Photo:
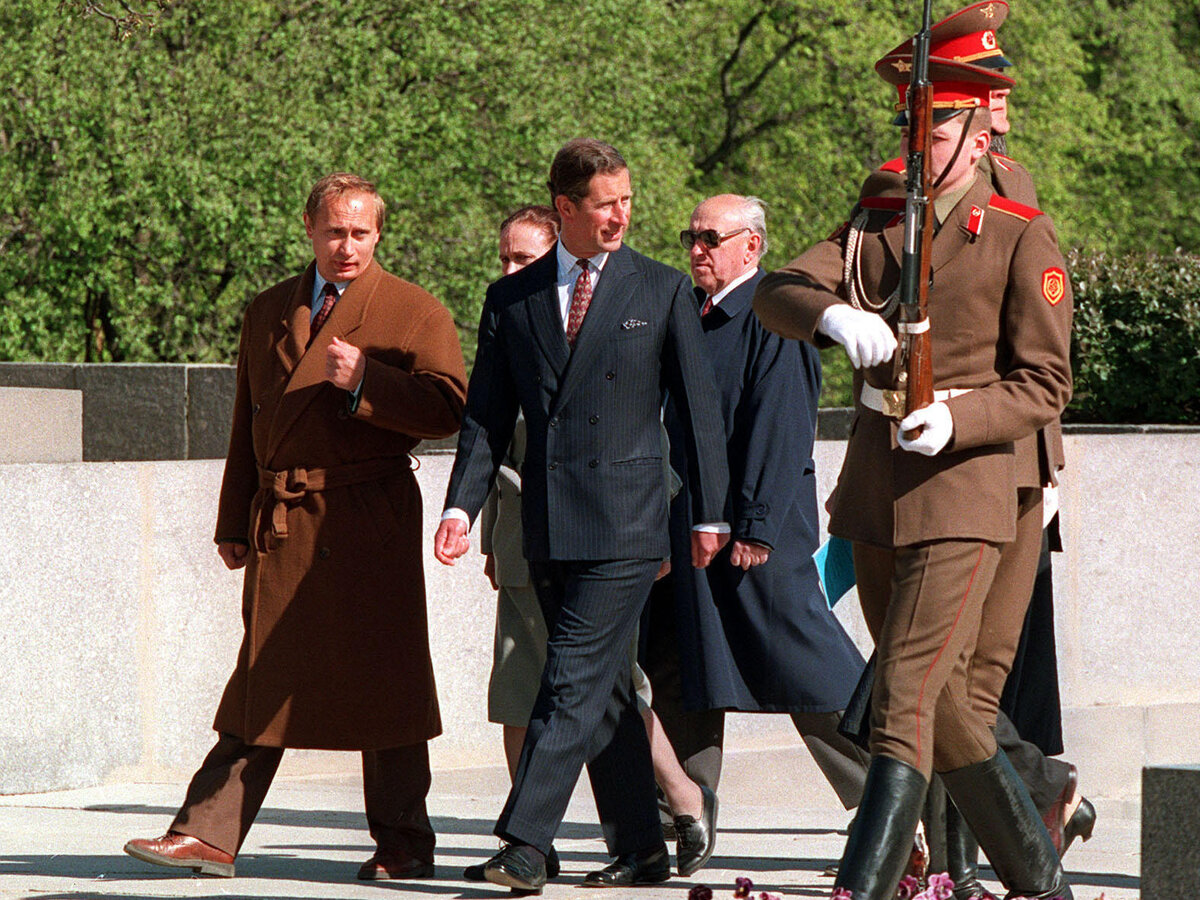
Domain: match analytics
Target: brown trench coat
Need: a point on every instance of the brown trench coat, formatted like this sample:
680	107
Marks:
993	330
335	653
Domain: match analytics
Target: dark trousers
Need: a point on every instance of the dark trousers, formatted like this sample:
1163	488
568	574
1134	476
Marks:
585	712
228	790
698	737
1044	776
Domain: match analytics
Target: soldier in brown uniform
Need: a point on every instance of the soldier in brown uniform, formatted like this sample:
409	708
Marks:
969	35
929	513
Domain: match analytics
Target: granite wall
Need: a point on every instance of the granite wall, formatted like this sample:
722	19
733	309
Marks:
121	625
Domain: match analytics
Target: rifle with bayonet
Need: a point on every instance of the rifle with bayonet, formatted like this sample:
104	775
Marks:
915	350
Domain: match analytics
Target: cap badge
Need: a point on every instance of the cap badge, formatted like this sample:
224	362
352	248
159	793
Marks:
989	40
1053	285
989	10
902	65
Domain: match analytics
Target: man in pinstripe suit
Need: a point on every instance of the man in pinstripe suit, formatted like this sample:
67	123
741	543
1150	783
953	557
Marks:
584	342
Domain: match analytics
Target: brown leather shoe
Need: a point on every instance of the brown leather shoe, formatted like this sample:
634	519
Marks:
184	852
388	864
1053	817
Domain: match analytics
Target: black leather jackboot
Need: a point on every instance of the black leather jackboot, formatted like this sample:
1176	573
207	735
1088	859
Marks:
962	857
997	808
881	838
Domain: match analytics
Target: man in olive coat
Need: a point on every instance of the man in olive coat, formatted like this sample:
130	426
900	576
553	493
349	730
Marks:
341	371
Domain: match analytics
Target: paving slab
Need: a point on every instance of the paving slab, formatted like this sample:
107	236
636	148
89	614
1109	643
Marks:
779	825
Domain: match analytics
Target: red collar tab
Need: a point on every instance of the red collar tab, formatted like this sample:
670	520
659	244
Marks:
975	221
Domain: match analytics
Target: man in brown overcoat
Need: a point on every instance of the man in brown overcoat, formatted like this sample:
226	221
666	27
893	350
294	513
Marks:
341	371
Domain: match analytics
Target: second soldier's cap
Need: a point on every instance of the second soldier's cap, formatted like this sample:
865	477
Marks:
956	85
967	36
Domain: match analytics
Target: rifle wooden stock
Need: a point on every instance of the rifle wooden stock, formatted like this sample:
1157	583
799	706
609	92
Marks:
915	340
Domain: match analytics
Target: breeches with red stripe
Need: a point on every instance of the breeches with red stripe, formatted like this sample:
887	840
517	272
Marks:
924	605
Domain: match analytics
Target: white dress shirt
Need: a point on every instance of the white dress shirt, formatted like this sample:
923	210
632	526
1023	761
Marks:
724	292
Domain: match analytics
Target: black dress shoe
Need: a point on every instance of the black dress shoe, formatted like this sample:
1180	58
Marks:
696	838
475	872
518	866
1081	823
646	867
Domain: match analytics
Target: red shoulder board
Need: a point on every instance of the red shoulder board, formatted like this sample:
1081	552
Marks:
1013	208
893	165
892	203
1003	161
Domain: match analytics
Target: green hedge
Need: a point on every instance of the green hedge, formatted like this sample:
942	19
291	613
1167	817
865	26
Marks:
1135	350
1136	344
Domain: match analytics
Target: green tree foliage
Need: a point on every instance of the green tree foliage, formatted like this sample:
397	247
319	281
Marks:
1136	347
148	187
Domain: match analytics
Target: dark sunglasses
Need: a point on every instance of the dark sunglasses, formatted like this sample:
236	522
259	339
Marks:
710	237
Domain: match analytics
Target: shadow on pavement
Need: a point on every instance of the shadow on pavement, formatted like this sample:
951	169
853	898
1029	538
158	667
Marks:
336	818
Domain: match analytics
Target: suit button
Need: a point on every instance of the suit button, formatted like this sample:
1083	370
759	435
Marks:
593	419
554	422
324	553
610	375
537	379
592	463
553	465
257	407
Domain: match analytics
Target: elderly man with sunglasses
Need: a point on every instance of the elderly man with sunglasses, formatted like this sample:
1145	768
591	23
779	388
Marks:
753	631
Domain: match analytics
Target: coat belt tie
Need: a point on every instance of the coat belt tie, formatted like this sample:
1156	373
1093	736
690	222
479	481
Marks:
288	486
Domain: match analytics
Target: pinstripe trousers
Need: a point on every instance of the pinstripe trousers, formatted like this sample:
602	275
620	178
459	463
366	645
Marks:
585	712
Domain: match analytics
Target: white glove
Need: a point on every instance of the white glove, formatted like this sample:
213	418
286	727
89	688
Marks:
867	338
937	427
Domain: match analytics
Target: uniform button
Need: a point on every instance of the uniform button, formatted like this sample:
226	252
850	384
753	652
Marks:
592	463
593	419
324	553
553	465
610	375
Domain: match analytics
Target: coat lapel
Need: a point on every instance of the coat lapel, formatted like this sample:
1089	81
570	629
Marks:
308	374
613	291
546	317
293	332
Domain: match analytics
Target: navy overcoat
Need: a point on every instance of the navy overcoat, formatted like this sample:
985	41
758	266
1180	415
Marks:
764	639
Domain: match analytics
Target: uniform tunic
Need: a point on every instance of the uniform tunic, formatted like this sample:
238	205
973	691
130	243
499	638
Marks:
928	529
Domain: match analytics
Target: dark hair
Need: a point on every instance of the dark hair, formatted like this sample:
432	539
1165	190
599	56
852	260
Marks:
577	162
543	217
338	184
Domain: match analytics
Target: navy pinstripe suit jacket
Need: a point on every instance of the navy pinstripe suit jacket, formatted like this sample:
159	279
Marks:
593	479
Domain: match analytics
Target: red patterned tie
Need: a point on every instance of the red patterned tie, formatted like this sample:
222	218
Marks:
580	301
707	307
331	297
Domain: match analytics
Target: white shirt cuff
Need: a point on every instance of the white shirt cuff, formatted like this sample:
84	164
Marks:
713	527
455	513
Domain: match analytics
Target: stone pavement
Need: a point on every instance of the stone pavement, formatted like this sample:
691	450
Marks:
779	824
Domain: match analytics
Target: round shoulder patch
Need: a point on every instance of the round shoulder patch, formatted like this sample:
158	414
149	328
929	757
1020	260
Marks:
1054	282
